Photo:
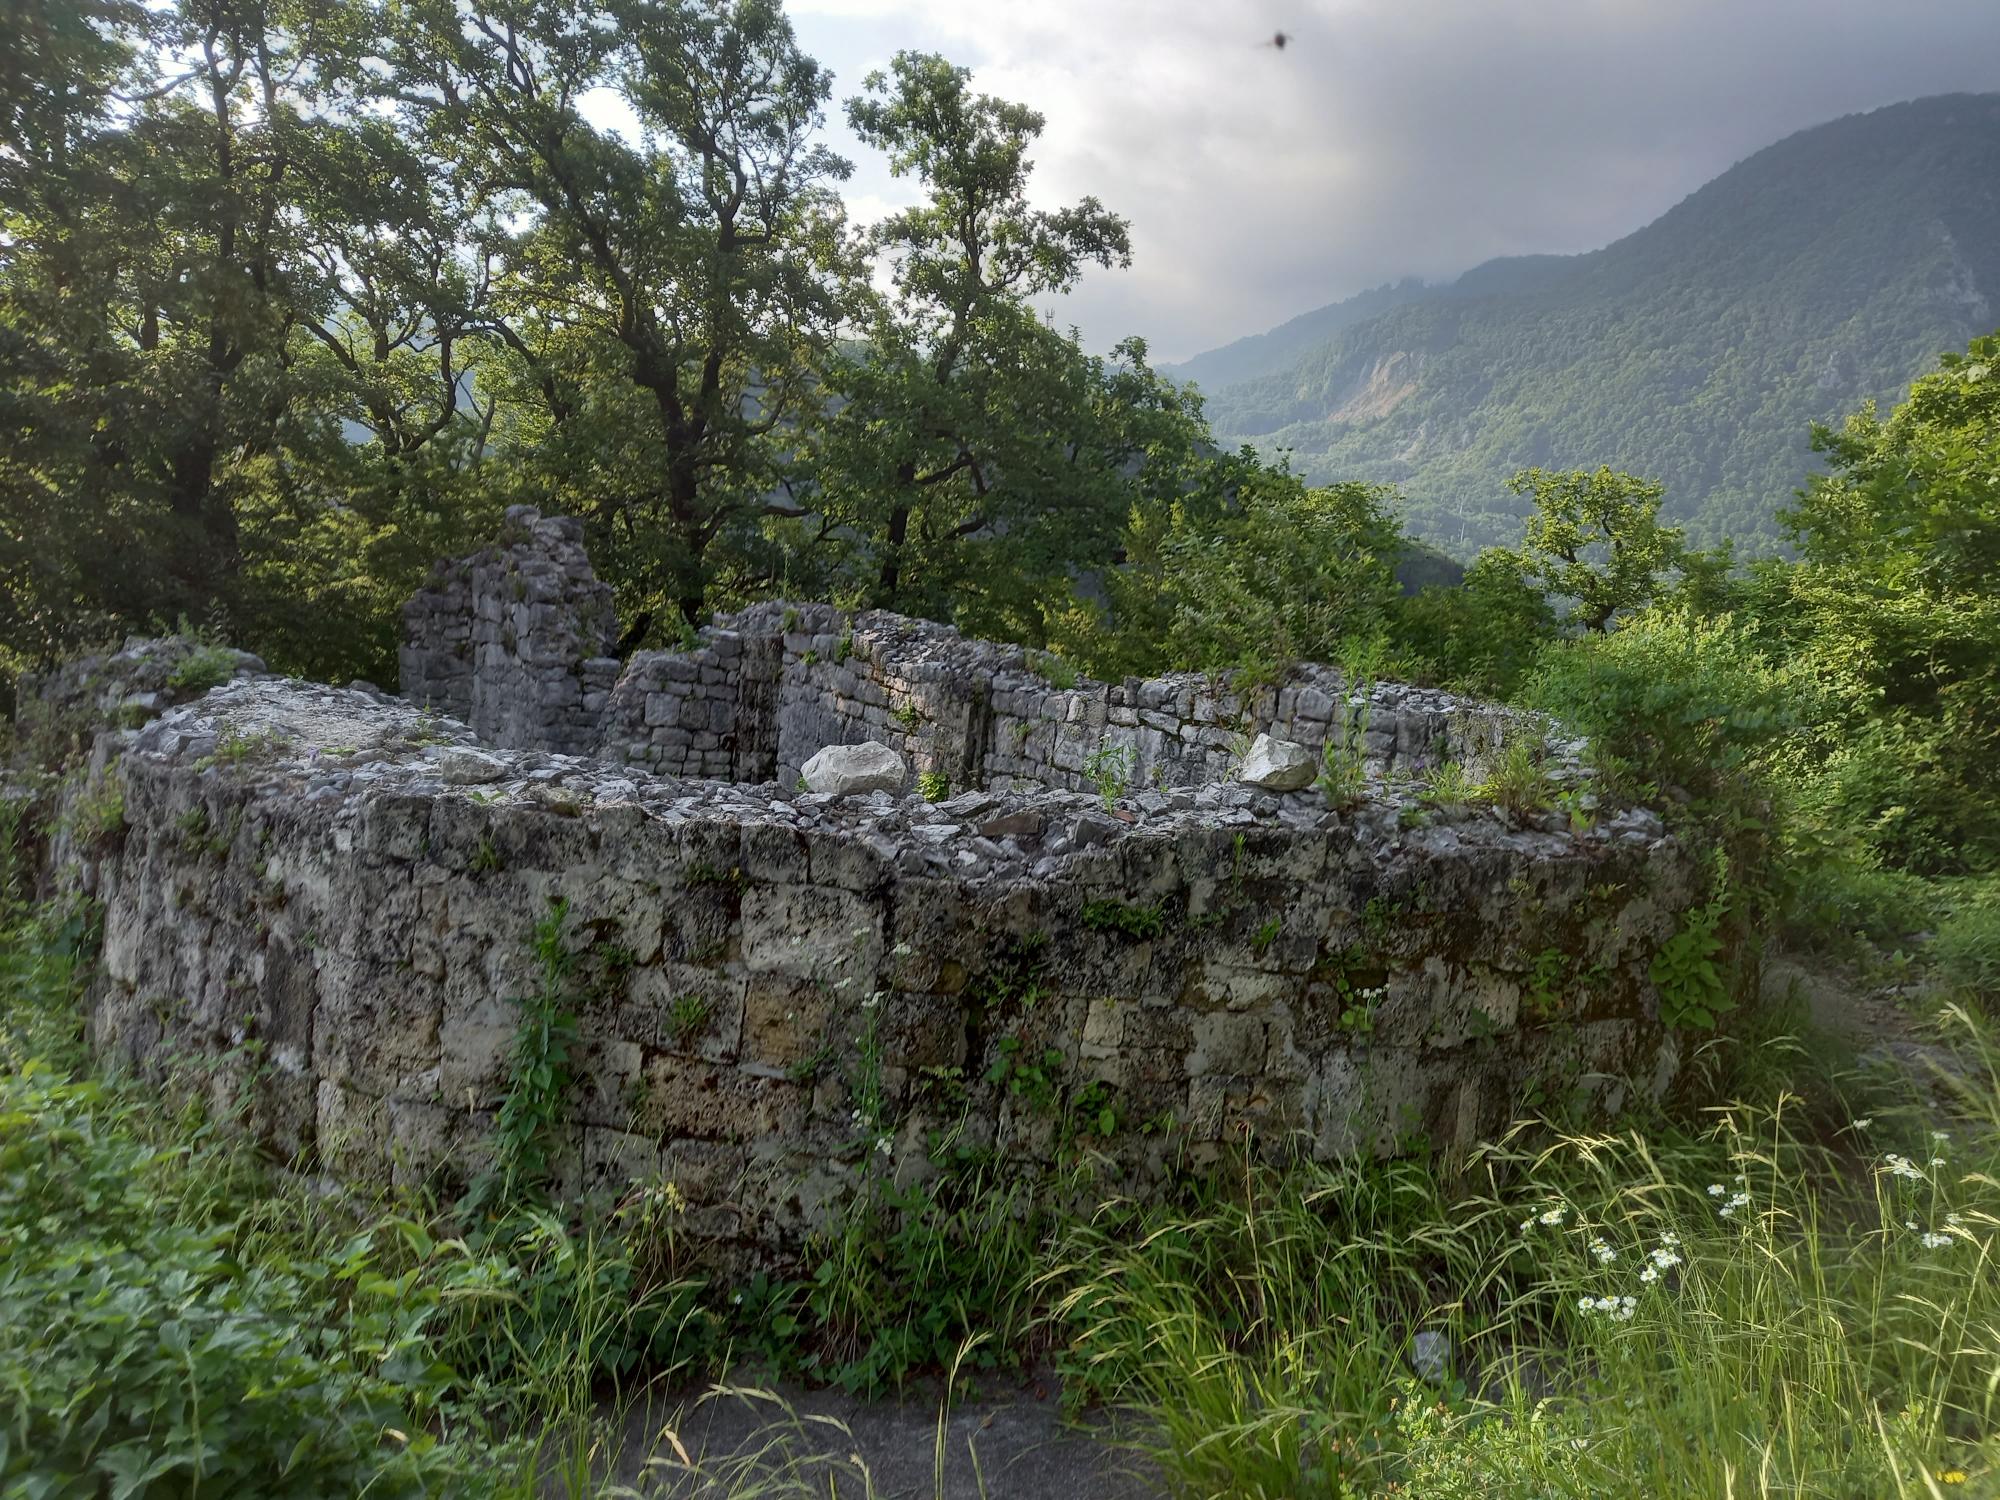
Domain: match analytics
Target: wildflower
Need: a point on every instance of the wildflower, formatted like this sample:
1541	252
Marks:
1902	1166
1932	1240
1586	1304
1668	1237
1940	1136
882	1144
902	950
1604	1253
1862	1124
1554	1215
1650	1275
1954	1221
1663	1258
1716	1190
1951	1476
1736	1201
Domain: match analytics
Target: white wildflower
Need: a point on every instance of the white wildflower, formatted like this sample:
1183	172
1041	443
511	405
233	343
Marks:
1662	1258
1902	1166
1586	1304
1604	1253
1863	1124
1716	1190
1932	1240
1650	1274
882	1144
902	950
1554	1215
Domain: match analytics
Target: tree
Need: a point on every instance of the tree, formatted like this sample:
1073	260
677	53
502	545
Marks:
1595	538
1246	568
146	279
1896	600
669	295
978	452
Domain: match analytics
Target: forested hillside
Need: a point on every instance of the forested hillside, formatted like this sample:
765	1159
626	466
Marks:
1823	271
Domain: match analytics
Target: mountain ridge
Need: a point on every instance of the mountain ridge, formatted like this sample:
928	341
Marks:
1821	271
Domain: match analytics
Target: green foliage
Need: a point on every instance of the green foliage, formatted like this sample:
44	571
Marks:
1242	567
1447	785
933	786
538	1072
203	668
1967	946
1343	770
1688	971
1109	768
1673	701
1519	781
148	1355
1894	601
1593	538
687	1018
1135	922
978	456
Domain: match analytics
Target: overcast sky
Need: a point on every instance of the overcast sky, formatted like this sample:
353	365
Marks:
1390	137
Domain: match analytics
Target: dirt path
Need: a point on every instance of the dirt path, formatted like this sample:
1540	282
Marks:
786	1440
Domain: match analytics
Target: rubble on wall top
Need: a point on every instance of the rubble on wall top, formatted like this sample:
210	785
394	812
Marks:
350	746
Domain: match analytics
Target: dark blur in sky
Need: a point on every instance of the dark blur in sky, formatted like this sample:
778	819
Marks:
1390	137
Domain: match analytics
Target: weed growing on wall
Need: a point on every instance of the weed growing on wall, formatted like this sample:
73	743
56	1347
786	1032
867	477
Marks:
538	1069
1109	769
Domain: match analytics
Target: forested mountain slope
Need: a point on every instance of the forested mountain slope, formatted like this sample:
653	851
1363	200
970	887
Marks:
1828	268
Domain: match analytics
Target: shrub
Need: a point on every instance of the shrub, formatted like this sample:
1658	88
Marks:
203	668
1673	701
1967	946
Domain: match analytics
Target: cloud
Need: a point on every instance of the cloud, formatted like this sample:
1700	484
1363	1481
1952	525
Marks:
1389	137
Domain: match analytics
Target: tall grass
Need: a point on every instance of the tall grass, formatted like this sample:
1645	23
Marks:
1745	1308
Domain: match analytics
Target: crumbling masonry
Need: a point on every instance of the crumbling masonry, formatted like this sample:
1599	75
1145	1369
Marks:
1097	939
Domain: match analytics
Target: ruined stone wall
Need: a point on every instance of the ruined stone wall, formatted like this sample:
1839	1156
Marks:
516	640
325	898
762	691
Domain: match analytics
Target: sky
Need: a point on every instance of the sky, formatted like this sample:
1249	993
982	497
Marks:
1388	138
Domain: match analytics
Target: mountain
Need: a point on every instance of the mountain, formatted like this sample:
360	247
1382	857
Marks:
1824	270
1265	353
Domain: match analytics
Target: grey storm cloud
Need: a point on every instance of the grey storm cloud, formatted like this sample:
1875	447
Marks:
1388	137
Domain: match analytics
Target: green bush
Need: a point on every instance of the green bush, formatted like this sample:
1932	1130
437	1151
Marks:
1671	701
203	668
1967	946
145	1354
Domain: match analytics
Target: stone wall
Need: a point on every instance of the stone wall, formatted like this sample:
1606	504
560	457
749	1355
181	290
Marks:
761	691
324	899
516	640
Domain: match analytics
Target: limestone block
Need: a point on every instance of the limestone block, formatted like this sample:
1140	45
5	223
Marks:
1278	765
845	770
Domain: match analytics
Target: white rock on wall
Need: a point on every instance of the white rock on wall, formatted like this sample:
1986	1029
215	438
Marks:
1278	765
844	770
